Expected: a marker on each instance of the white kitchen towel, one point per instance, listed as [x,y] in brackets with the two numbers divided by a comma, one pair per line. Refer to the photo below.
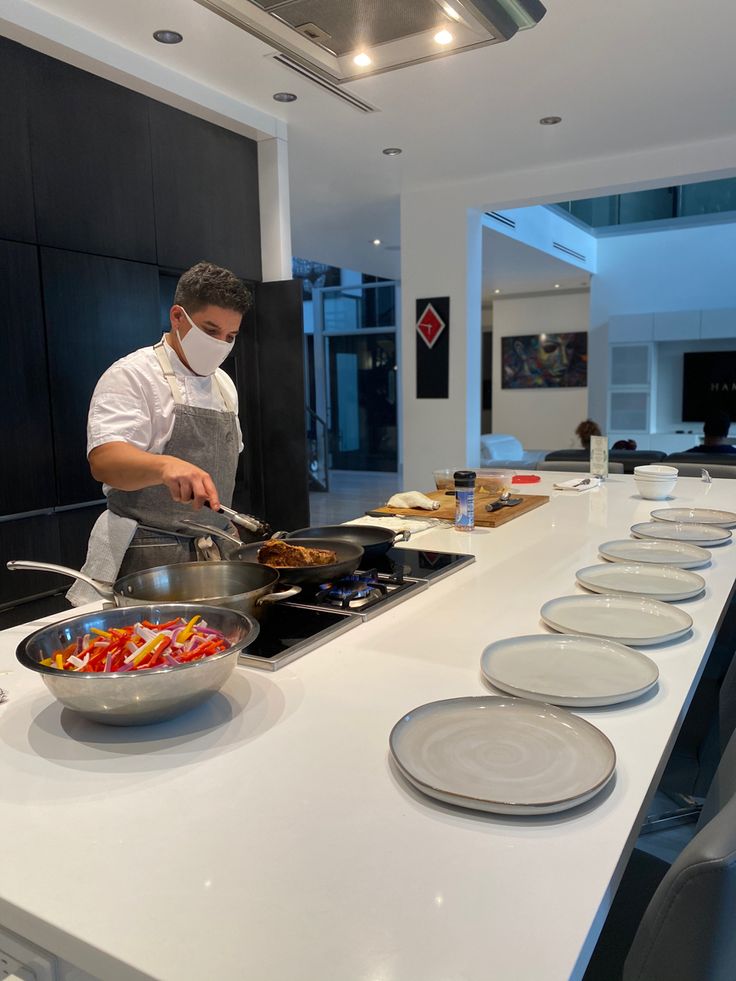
[579,484]
[413,499]
[413,525]
[108,543]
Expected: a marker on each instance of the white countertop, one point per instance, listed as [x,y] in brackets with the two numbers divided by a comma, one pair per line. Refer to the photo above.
[267,835]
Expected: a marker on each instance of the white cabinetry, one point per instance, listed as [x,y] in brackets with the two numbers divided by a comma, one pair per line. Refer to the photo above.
[680,325]
[718,323]
[630,388]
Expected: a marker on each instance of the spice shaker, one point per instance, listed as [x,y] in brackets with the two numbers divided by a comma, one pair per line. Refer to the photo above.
[464,500]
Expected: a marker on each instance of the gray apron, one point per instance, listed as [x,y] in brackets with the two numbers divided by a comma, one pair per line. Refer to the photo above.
[207,438]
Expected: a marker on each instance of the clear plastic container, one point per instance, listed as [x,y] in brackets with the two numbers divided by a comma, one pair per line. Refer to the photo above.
[486,481]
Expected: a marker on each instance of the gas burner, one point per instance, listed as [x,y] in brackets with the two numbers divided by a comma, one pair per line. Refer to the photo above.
[352,591]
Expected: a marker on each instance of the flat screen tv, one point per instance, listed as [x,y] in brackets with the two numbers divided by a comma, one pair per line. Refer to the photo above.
[708,383]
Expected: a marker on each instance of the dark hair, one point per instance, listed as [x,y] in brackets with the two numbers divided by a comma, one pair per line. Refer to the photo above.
[585,430]
[206,284]
[624,444]
[717,425]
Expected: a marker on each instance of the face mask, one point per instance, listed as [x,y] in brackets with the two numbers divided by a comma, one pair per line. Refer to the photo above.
[204,354]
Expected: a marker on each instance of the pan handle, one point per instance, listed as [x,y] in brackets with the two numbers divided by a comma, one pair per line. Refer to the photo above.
[209,530]
[105,589]
[277,597]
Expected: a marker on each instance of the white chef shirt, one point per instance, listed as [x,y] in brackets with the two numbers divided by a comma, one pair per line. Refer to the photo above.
[132,401]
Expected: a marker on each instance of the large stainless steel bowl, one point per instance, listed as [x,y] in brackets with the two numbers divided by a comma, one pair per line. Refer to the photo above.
[138,697]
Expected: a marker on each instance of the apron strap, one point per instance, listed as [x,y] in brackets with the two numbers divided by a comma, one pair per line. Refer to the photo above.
[165,362]
[175,385]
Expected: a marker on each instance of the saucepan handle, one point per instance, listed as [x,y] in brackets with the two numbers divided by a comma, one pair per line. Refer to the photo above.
[277,597]
[105,589]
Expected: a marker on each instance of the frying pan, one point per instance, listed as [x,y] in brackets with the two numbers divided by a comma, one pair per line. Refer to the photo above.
[348,554]
[235,585]
[374,540]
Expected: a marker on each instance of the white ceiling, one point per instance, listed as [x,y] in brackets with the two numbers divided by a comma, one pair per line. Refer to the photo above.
[626,77]
[512,267]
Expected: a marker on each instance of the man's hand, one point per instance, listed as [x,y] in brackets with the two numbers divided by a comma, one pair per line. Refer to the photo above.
[188,483]
[127,468]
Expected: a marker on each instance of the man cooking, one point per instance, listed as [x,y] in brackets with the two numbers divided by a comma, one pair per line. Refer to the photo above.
[163,434]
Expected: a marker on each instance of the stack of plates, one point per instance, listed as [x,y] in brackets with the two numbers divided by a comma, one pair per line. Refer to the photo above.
[680,554]
[506,755]
[682,531]
[626,619]
[567,670]
[662,582]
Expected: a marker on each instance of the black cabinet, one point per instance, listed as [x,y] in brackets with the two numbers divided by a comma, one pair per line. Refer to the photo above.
[206,191]
[97,311]
[16,191]
[35,538]
[27,467]
[91,153]
[270,363]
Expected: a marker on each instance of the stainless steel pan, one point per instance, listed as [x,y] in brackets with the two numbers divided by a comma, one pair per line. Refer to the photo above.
[244,586]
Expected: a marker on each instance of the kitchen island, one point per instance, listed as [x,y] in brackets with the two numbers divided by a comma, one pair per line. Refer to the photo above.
[268,836]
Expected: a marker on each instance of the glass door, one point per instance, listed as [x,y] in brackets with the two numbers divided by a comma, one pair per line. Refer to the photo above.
[361,379]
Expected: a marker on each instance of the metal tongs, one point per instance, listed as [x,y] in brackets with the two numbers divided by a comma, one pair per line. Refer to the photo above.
[244,520]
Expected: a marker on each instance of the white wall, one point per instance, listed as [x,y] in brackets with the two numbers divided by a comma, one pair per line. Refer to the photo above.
[675,269]
[544,418]
[441,256]
[656,271]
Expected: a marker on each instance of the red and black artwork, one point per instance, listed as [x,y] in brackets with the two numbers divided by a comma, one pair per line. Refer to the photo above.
[433,347]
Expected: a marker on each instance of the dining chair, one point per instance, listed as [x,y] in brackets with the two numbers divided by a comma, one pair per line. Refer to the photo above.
[675,922]
[576,466]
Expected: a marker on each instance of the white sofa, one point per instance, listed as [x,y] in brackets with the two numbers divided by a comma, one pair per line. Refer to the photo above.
[504,450]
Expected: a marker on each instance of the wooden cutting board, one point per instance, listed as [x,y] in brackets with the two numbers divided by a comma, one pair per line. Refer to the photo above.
[483,518]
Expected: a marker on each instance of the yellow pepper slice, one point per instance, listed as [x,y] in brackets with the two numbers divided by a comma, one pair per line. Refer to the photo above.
[59,662]
[185,632]
[100,633]
[147,648]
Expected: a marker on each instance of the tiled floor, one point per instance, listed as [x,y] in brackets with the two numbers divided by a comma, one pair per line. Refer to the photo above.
[351,494]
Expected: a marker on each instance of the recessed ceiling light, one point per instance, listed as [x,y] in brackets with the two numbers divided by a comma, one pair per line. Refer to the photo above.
[443,37]
[284,97]
[392,151]
[376,241]
[497,291]
[550,120]
[557,286]
[168,37]
[362,60]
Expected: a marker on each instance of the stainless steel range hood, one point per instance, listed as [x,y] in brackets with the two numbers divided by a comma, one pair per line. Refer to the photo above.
[343,40]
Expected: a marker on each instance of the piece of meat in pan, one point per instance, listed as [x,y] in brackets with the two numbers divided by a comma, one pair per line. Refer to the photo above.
[280,555]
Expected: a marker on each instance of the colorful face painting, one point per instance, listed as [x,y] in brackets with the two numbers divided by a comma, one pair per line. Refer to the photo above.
[545,361]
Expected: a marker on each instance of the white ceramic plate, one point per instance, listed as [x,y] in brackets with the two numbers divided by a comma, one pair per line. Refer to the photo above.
[568,670]
[505,755]
[680,554]
[678,531]
[662,582]
[627,619]
[702,516]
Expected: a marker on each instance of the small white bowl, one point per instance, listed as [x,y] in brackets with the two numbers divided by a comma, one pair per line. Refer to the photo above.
[654,490]
[656,471]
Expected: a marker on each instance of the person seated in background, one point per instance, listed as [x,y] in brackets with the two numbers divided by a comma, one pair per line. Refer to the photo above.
[585,430]
[624,444]
[715,431]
